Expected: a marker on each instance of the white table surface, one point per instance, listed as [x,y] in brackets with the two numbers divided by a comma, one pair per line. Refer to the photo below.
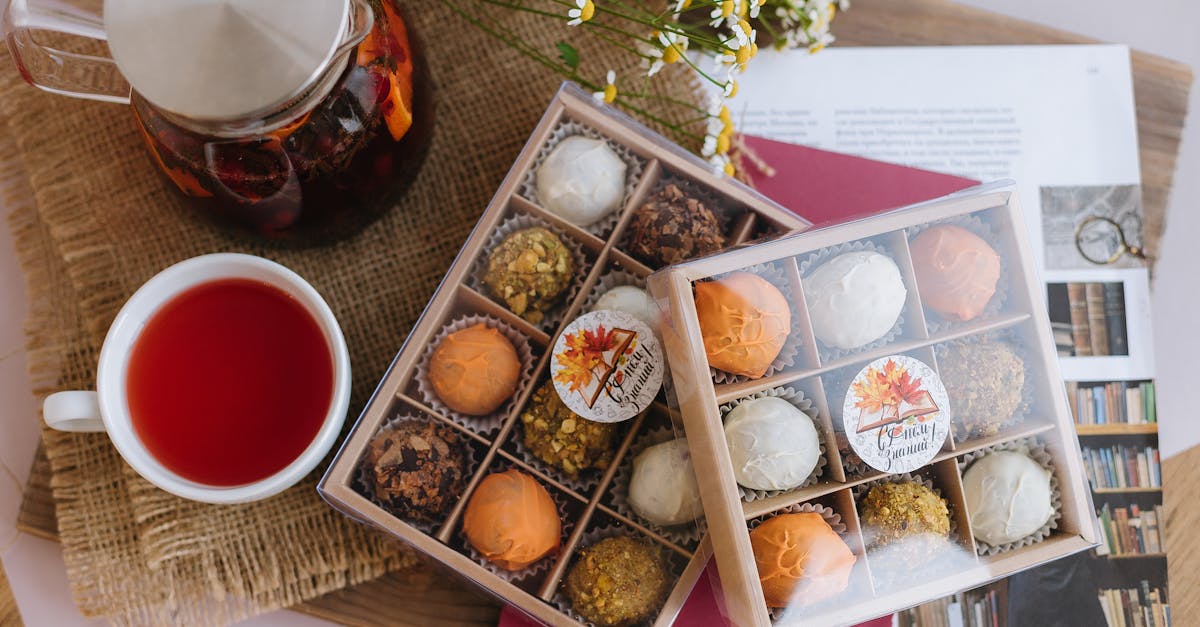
[1166,27]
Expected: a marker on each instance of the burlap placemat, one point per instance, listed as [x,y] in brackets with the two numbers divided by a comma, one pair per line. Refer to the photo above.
[92,221]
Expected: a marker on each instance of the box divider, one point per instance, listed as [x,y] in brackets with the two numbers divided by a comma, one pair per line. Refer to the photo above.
[559,569]
[487,306]
[644,530]
[844,504]
[949,479]
[506,426]
[914,309]
[651,174]
[520,204]
[809,356]
[731,391]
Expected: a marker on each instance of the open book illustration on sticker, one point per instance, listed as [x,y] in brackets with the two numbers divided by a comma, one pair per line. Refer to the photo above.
[891,414]
[889,395]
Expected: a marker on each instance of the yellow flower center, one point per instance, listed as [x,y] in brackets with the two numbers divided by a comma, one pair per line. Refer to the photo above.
[687,4]
[729,169]
[745,26]
[725,117]
[815,48]
[743,55]
[670,54]
[726,8]
[723,144]
[610,92]
[587,11]
[733,90]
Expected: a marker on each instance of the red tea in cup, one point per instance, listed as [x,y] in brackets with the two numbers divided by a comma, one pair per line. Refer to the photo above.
[229,382]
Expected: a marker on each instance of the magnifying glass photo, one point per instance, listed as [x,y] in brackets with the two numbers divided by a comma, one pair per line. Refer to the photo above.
[1101,240]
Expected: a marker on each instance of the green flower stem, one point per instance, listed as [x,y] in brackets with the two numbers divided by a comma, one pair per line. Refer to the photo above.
[678,130]
[520,46]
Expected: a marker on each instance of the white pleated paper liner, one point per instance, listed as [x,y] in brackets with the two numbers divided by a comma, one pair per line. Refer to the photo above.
[831,518]
[634,166]
[685,534]
[805,405]
[519,222]
[774,274]
[810,262]
[891,567]
[720,210]
[1024,406]
[670,561]
[548,560]
[1036,451]
[936,322]
[583,483]
[364,481]
[608,281]
[480,424]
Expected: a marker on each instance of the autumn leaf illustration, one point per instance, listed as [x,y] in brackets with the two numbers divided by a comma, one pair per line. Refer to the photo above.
[907,388]
[873,392]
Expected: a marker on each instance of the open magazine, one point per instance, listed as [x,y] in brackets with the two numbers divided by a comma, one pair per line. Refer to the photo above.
[1060,120]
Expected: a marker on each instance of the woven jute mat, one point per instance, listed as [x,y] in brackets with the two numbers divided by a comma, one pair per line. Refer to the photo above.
[92,221]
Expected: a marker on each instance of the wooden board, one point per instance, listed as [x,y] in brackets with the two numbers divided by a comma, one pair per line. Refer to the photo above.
[1183,545]
[9,616]
[1161,88]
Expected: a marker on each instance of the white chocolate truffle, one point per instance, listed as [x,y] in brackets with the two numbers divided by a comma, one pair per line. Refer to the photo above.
[582,180]
[631,300]
[1008,497]
[773,445]
[854,298]
[663,488]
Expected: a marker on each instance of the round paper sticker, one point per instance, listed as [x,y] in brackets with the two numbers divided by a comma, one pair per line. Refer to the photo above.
[607,366]
[896,414]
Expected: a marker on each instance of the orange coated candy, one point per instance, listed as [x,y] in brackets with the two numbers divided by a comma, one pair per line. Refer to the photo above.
[744,321]
[512,520]
[475,370]
[800,559]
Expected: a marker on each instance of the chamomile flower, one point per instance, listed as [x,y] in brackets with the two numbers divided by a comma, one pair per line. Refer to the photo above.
[723,10]
[609,93]
[722,164]
[583,11]
[740,47]
[671,45]
[682,5]
[755,7]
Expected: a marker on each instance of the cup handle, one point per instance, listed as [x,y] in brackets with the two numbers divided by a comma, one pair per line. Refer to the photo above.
[73,411]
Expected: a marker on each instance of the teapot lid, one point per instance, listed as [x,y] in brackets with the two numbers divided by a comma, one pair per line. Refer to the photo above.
[217,60]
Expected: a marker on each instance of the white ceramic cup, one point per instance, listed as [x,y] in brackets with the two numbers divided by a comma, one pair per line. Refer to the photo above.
[107,409]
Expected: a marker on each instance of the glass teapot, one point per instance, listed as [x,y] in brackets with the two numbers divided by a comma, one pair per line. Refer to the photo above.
[301,121]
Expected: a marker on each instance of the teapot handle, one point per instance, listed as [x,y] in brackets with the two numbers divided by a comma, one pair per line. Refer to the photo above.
[60,71]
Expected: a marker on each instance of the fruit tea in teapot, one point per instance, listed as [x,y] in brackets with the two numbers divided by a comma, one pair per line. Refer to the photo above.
[300,121]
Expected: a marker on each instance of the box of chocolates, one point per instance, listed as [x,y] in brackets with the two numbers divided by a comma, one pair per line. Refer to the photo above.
[520,436]
[874,411]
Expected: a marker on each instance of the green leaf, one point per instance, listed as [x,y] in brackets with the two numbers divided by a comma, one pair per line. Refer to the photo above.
[568,54]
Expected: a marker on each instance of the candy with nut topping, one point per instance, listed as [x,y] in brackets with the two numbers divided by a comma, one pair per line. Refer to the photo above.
[529,271]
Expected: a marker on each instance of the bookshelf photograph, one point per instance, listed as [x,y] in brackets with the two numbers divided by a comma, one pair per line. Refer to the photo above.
[1122,582]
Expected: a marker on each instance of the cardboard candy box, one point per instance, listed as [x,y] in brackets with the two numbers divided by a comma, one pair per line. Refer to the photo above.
[593,504]
[925,363]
